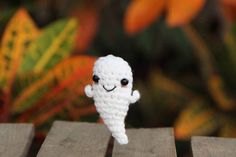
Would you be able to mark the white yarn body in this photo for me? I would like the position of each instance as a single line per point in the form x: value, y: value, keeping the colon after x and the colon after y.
x: 113, y: 110
x: 111, y: 98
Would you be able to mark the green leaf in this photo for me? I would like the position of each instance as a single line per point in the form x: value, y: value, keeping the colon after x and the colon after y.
x: 52, y: 46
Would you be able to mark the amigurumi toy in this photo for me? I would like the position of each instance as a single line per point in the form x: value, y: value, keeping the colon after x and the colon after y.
x: 112, y: 93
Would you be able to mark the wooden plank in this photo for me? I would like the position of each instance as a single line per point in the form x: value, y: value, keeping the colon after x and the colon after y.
x: 15, y: 139
x: 72, y: 139
x: 147, y: 143
x: 213, y: 147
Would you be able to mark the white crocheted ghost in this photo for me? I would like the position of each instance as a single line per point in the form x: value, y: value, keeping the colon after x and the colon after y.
x: 112, y: 93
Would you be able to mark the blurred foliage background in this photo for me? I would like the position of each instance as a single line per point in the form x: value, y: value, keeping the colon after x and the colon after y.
x: 183, y: 54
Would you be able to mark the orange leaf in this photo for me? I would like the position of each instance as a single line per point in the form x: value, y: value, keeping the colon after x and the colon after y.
x: 141, y: 13
x: 62, y: 73
x: 197, y: 119
x: 180, y: 12
x: 88, y: 18
x: 51, y: 95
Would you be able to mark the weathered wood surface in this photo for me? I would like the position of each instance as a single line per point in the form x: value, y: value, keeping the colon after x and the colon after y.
x: 147, y: 143
x: 213, y: 147
x: 15, y: 139
x: 71, y: 139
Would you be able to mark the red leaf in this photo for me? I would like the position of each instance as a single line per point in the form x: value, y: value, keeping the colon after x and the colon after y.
x: 231, y: 3
x: 229, y: 9
x: 88, y: 19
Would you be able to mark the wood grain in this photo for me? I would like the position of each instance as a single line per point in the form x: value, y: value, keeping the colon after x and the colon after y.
x: 147, y: 143
x: 213, y: 147
x: 72, y: 139
x: 15, y: 139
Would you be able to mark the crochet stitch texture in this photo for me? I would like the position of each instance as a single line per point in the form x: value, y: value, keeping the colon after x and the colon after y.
x: 111, y: 97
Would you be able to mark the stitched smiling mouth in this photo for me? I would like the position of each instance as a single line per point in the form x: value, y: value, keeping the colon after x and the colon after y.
x: 109, y: 90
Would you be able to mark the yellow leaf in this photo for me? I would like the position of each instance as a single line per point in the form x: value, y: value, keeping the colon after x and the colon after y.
x: 19, y: 34
x: 180, y: 12
x: 196, y: 119
x: 141, y: 13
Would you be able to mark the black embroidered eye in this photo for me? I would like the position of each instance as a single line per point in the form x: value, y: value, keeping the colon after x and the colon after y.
x: 96, y: 78
x: 124, y: 82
